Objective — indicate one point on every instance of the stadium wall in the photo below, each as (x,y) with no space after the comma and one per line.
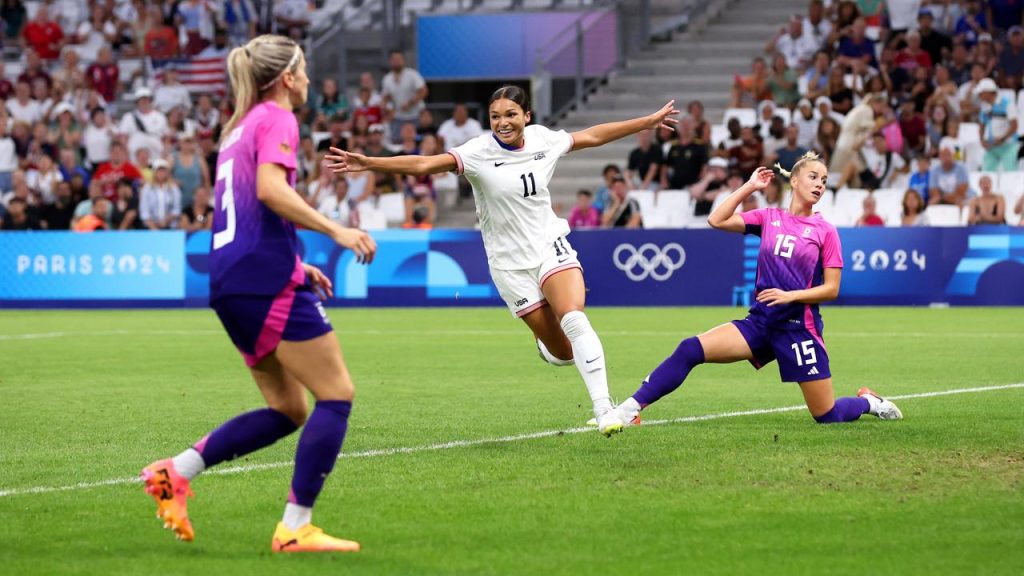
(891,266)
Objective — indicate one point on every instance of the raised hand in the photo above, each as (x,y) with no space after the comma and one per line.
(663,117)
(760,178)
(340,161)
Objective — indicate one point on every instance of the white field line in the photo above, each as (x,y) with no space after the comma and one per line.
(510,332)
(230,470)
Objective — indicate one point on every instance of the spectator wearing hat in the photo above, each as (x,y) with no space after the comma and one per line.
(171,93)
(644,162)
(145,126)
(386,183)
(160,200)
(948,181)
(622,211)
(712,183)
(997,124)
(1010,66)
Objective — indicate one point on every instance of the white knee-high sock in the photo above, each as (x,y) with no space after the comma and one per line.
(589,357)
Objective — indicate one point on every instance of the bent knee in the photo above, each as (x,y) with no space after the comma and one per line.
(296,411)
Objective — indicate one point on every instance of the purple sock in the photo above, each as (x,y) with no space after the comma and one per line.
(318,450)
(671,372)
(845,410)
(244,434)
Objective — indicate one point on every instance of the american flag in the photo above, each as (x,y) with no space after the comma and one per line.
(199,75)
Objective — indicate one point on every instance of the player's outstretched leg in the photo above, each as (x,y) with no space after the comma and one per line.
(819,397)
(884,409)
(169,480)
(319,365)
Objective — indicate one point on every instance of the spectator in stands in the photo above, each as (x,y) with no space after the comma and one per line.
(109,173)
(361,185)
(959,64)
(206,116)
(874,166)
(782,83)
(337,204)
(857,127)
(816,76)
(6,87)
(321,185)
(69,166)
(291,17)
(985,54)
(945,92)
(870,216)
(583,214)
(644,163)
(20,216)
(458,129)
(902,15)
(44,35)
(43,178)
(824,109)
(70,73)
(971,24)
(69,14)
(145,126)
(701,127)
(948,182)
(806,124)
(97,218)
(997,126)
(195,20)
(839,94)
(160,201)
(622,212)
(426,126)
(188,168)
(796,47)
(171,93)
(968,103)
(198,214)
(854,45)
(816,26)
(14,17)
(602,196)
(913,209)
(22,107)
(21,133)
(1010,65)
(238,18)
(712,183)
(827,138)
(912,56)
(686,159)
(125,208)
(913,127)
(747,91)
(919,178)
(1019,209)
(161,40)
(771,195)
(788,154)
(330,102)
(403,91)
(102,75)
(336,136)
(407,143)
(420,191)
(386,183)
(57,215)
(746,157)
(933,41)
(775,138)
(97,138)
(987,207)
(8,155)
(94,34)
(733,137)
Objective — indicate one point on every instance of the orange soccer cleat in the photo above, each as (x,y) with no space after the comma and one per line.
(171,492)
(309,538)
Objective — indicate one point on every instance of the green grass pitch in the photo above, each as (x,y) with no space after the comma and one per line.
(92,396)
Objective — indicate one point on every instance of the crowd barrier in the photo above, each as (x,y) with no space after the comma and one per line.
(905,266)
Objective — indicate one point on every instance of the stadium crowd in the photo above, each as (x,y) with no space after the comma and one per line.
(911,103)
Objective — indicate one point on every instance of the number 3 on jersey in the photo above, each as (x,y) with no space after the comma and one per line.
(784,245)
(226,173)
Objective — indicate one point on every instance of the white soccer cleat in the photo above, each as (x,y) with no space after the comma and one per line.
(884,409)
(630,419)
(610,422)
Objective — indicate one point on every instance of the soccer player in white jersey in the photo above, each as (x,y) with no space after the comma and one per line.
(532,264)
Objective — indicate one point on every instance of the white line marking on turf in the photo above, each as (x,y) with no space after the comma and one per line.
(483,441)
(510,332)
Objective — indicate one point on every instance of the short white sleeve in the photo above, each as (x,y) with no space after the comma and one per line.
(469,156)
(559,141)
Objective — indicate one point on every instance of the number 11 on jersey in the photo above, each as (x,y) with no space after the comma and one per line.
(528,191)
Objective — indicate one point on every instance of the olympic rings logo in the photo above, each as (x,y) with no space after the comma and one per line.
(649,260)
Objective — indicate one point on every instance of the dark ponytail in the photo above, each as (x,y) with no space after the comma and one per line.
(513,93)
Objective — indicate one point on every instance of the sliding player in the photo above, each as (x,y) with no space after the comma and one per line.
(798,267)
(266,299)
(532,264)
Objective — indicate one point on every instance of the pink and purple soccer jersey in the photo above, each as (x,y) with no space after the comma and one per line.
(257,284)
(794,252)
(254,251)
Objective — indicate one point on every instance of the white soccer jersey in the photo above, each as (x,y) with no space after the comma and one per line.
(512,197)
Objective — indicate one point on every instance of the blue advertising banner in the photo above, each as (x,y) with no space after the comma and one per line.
(67,266)
(883,266)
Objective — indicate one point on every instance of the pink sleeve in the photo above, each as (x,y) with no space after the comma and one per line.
(277,138)
(754,217)
(831,249)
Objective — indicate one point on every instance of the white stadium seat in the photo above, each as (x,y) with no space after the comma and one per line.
(849,205)
(648,212)
(746,116)
(890,205)
(371,217)
(943,215)
(826,206)
(1011,186)
(393,206)
(676,206)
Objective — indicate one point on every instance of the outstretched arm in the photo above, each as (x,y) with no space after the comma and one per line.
(605,133)
(340,162)
(724,217)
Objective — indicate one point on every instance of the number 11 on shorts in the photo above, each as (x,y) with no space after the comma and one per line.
(804,352)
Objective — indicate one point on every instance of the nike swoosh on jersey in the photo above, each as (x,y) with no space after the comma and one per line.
(496,164)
